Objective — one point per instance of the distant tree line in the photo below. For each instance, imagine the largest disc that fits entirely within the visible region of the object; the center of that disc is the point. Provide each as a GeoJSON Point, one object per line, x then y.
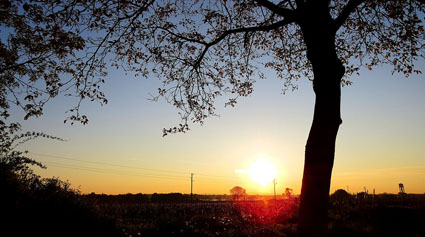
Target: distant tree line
{"type": "Point", "coordinates": [152, 198]}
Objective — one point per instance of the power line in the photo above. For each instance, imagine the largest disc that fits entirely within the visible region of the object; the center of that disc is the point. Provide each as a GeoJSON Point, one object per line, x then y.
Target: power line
{"type": "Point", "coordinates": [213, 181]}
{"type": "Point", "coordinates": [129, 174]}
{"type": "Point", "coordinates": [218, 179]}
{"type": "Point", "coordinates": [133, 167]}
{"type": "Point", "coordinates": [98, 171]}
{"type": "Point", "coordinates": [217, 176]}
{"type": "Point", "coordinates": [110, 164]}
{"type": "Point", "coordinates": [109, 170]}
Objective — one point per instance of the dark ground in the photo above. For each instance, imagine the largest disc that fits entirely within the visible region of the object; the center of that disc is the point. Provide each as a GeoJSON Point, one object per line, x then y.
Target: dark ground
{"type": "Point", "coordinates": [380, 215]}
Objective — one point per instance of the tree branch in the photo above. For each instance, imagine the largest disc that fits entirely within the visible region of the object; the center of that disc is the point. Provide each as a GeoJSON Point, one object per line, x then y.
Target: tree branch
{"type": "Point", "coordinates": [284, 12]}
{"type": "Point", "coordinates": [299, 3]}
{"type": "Point", "coordinates": [240, 30]}
{"type": "Point", "coordinates": [182, 37]}
{"type": "Point", "coordinates": [348, 9]}
{"type": "Point", "coordinates": [15, 66]}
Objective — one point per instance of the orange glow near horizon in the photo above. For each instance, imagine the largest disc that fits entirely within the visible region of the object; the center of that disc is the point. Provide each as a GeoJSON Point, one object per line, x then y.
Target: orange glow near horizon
{"type": "Point", "coordinates": [266, 211]}
{"type": "Point", "coordinates": [379, 145]}
{"type": "Point", "coordinates": [261, 171]}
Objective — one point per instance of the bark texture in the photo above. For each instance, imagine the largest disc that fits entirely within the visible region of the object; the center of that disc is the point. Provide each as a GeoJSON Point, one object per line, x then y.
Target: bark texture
{"type": "Point", "coordinates": [319, 36]}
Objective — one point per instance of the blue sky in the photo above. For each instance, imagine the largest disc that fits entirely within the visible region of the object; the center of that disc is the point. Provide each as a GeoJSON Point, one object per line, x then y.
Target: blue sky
{"type": "Point", "coordinates": [380, 143]}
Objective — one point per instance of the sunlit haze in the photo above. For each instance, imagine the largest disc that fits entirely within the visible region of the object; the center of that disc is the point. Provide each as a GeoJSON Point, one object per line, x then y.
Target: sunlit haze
{"type": "Point", "coordinates": [380, 142]}
{"type": "Point", "coordinates": [261, 171]}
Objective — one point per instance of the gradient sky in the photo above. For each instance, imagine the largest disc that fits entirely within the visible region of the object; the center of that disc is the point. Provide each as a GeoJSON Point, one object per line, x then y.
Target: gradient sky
{"type": "Point", "coordinates": [380, 144]}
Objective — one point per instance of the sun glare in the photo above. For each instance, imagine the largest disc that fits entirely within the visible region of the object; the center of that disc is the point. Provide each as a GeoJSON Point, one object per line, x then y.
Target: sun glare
{"type": "Point", "coordinates": [262, 171]}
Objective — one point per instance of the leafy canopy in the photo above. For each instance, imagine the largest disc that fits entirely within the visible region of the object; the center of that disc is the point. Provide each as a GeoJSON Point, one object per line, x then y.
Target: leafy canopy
{"type": "Point", "coordinates": [199, 49]}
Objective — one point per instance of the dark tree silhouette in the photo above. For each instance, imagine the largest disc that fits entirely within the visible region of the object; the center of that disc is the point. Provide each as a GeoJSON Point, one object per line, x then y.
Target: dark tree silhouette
{"type": "Point", "coordinates": [205, 49]}
{"type": "Point", "coordinates": [341, 195]}
{"type": "Point", "coordinates": [237, 193]}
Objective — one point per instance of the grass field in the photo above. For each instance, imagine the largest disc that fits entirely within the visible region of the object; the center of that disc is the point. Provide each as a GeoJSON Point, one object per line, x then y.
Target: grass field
{"type": "Point", "coordinates": [380, 215]}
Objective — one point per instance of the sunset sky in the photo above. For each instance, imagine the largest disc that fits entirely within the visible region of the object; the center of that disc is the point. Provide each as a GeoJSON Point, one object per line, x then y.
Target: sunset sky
{"type": "Point", "coordinates": [380, 144]}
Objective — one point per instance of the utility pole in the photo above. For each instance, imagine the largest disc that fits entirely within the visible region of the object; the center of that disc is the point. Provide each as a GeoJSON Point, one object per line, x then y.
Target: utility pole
{"type": "Point", "coordinates": [274, 188]}
{"type": "Point", "coordinates": [191, 186]}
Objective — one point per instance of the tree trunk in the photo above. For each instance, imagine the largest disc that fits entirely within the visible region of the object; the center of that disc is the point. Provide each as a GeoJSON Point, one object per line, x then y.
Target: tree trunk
{"type": "Point", "coordinates": [328, 70]}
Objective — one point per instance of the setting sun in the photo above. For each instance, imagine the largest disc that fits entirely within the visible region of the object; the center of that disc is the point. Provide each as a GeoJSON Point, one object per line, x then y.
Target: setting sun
{"type": "Point", "coordinates": [262, 171]}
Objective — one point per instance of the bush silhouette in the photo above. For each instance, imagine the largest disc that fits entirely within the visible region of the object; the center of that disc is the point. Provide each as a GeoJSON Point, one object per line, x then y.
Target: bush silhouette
{"type": "Point", "coordinates": [46, 207]}
{"type": "Point", "coordinates": [35, 206]}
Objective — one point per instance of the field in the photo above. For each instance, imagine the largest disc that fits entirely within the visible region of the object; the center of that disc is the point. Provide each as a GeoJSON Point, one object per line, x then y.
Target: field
{"type": "Point", "coordinates": [362, 215]}
{"type": "Point", "coordinates": [220, 218]}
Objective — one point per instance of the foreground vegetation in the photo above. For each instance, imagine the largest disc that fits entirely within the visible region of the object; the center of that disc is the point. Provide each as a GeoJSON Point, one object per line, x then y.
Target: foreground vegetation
{"type": "Point", "coordinates": [35, 206]}
{"type": "Point", "coordinates": [48, 207]}
{"type": "Point", "coordinates": [349, 215]}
